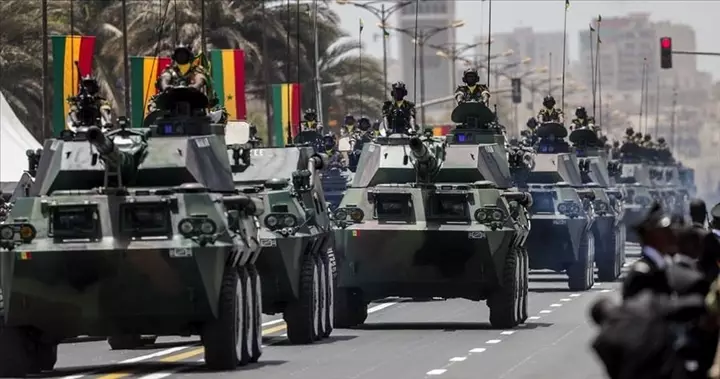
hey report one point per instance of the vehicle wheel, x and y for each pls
(331, 279)
(129, 341)
(609, 269)
(322, 297)
(249, 320)
(45, 356)
(222, 337)
(302, 315)
(503, 303)
(581, 275)
(350, 308)
(16, 351)
(256, 313)
(525, 273)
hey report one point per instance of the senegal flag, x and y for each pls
(144, 73)
(286, 111)
(228, 78)
(66, 51)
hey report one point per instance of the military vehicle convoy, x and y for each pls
(636, 185)
(133, 232)
(562, 237)
(297, 264)
(432, 217)
(598, 175)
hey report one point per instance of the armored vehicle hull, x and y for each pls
(297, 264)
(335, 183)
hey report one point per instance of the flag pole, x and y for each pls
(597, 71)
(562, 95)
(361, 65)
(592, 72)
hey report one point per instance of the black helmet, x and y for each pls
(398, 89)
(549, 101)
(531, 123)
(580, 112)
(647, 137)
(182, 55)
(329, 140)
(629, 132)
(638, 134)
(349, 119)
(661, 140)
(310, 115)
(90, 84)
(470, 76)
(616, 143)
(364, 124)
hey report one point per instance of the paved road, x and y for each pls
(436, 339)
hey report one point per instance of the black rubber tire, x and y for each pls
(257, 346)
(248, 319)
(581, 274)
(222, 337)
(350, 308)
(525, 280)
(609, 270)
(322, 296)
(301, 315)
(503, 303)
(45, 356)
(331, 290)
(16, 351)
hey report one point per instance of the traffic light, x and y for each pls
(665, 52)
(516, 91)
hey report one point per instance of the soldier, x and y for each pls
(472, 91)
(710, 256)
(330, 147)
(529, 136)
(658, 242)
(310, 121)
(549, 113)
(88, 108)
(615, 150)
(581, 119)
(647, 142)
(629, 133)
(637, 138)
(183, 72)
(365, 127)
(254, 140)
(348, 126)
(399, 114)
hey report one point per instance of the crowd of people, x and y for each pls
(666, 323)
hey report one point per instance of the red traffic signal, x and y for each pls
(665, 52)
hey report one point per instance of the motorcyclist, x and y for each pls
(472, 91)
(88, 108)
(549, 113)
(348, 126)
(183, 71)
(398, 113)
(310, 121)
(582, 120)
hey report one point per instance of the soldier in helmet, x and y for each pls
(472, 91)
(549, 113)
(398, 113)
(629, 133)
(638, 138)
(88, 108)
(348, 126)
(582, 120)
(310, 121)
(183, 72)
(330, 149)
(615, 150)
(647, 142)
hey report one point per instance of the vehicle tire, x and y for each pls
(322, 303)
(17, 353)
(609, 269)
(257, 346)
(525, 273)
(331, 279)
(248, 319)
(581, 274)
(45, 356)
(350, 308)
(302, 315)
(503, 303)
(222, 337)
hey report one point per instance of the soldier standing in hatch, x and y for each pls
(549, 113)
(182, 72)
(582, 120)
(88, 108)
(647, 142)
(398, 113)
(348, 126)
(310, 122)
(472, 91)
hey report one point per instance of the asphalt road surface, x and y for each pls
(444, 339)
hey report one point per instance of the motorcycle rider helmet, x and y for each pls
(91, 85)
(182, 55)
(364, 124)
(581, 113)
(310, 115)
(470, 77)
(349, 120)
(549, 102)
(398, 90)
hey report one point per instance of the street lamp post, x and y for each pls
(454, 51)
(421, 38)
(383, 14)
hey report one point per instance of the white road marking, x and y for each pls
(556, 305)
(477, 350)
(492, 342)
(605, 291)
(458, 359)
(545, 311)
(508, 332)
(158, 375)
(155, 355)
(436, 372)
(273, 322)
(566, 299)
(534, 318)
(574, 294)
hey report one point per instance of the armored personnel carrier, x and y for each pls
(598, 174)
(562, 236)
(128, 233)
(297, 264)
(635, 184)
(424, 218)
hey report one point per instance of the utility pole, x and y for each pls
(126, 69)
(45, 92)
(672, 120)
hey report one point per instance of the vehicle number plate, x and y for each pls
(476, 235)
(182, 252)
(559, 222)
(268, 242)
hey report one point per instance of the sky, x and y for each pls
(546, 15)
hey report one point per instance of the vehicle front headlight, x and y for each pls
(208, 227)
(271, 221)
(7, 232)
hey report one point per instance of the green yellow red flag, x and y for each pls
(144, 73)
(66, 50)
(228, 78)
(286, 111)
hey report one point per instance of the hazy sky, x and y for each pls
(545, 15)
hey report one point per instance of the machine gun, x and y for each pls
(427, 163)
(121, 166)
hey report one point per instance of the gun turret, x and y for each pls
(120, 166)
(109, 153)
(426, 163)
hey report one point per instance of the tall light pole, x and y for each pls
(383, 14)
(421, 37)
(453, 51)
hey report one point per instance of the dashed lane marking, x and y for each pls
(492, 342)
(436, 372)
(534, 318)
(574, 294)
(477, 350)
(556, 305)
(509, 332)
(458, 359)
(566, 299)
(545, 311)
